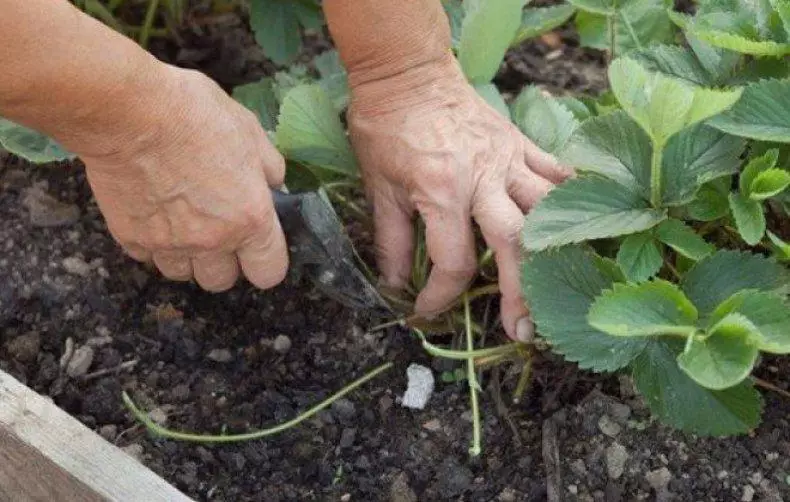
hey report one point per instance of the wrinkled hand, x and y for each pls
(438, 149)
(191, 193)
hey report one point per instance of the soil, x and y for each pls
(80, 322)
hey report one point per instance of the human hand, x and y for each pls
(191, 192)
(428, 143)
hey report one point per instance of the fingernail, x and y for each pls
(525, 330)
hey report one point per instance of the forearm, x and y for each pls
(74, 79)
(403, 42)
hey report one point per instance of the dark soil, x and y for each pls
(80, 322)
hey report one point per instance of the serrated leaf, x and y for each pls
(745, 43)
(724, 357)
(487, 30)
(749, 218)
(639, 257)
(559, 286)
(491, 95)
(309, 131)
(652, 308)
(260, 98)
(683, 239)
(756, 166)
(309, 13)
(681, 403)
(768, 184)
(663, 105)
(648, 20)
(538, 20)
(334, 78)
(719, 276)
(711, 201)
(768, 312)
(695, 156)
(762, 113)
(675, 61)
(586, 208)
(275, 25)
(542, 119)
(576, 106)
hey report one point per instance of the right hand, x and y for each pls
(191, 192)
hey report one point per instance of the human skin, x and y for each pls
(181, 172)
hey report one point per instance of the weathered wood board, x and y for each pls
(47, 455)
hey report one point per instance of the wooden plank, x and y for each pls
(49, 455)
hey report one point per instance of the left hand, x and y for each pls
(428, 143)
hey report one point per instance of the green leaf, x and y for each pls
(639, 257)
(724, 357)
(780, 247)
(637, 24)
(334, 78)
(539, 20)
(712, 201)
(575, 106)
(487, 30)
(681, 403)
(543, 119)
(695, 156)
(768, 312)
(602, 7)
(769, 183)
(455, 15)
(260, 98)
(652, 308)
(309, 131)
(614, 146)
(704, 66)
(719, 276)
(586, 208)
(683, 239)
(663, 105)
(275, 24)
(763, 113)
(491, 95)
(749, 218)
(746, 42)
(559, 286)
(30, 144)
(756, 166)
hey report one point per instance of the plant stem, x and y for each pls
(631, 31)
(769, 386)
(160, 431)
(655, 175)
(465, 355)
(148, 22)
(475, 449)
(523, 380)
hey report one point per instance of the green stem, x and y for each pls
(631, 30)
(160, 431)
(475, 449)
(148, 22)
(523, 380)
(655, 175)
(464, 355)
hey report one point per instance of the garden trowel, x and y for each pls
(320, 249)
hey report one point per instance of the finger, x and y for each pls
(526, 187)
(544, 163)
(500, 221)
(216, 272)
(263, 258)
(273, 164)
(174, 266)
(137, 252)
(394, 241)
(451, 247)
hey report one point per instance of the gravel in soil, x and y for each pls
(80, 322)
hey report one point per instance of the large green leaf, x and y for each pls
(769, 183)
(652, 308)
(719, 276)
(768, 312)
(614, 146)
(711, 201)
(724, 357)
(680, 402)
(585, 208)
(749, 218)
(683, 239)
(639, 257)
(664, 105)
(334, 78)
(763, 112)
(695, 156)
(309, 131)
(487, 30)
(543, 119)
(260, 98)
(730, 30)
(705, 66)
(275, 24)
(491, 95)
(29, 144)
(559, 286)
(637, 24)
(538, 20)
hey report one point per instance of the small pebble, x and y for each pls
(609, 426)
(573, 489)
(616, 457)
(400, 491)
(748, 493)
(507, 495)
(220, 355)
(419, 387)
(24, 348)
(282, 344)
(433, 425)
(75, 265)
(80, 362)
(345, 498)
(109, 432)
(347, 437)
(158, 415)
(659, 478)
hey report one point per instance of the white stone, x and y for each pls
(420, 384)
